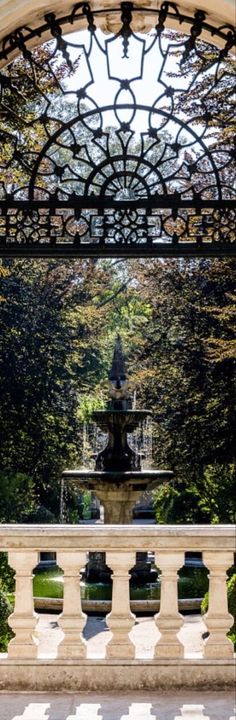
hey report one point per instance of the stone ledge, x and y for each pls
(104, 606)
(107, 538)
(105, 675)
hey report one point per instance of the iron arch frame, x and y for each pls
(117, 144)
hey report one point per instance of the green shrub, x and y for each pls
(5, 610)
(231, 592)
(17, 498)
(7, 574)
(41, 515)
(193, 582)
(232, 605)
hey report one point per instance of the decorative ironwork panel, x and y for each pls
(117, 143)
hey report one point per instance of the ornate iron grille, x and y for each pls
(117, 143)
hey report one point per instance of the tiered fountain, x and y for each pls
(118, 479)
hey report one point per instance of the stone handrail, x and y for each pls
(112, 537)
(120, 543)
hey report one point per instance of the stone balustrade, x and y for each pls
(120, 543)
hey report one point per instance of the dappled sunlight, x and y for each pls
(34, 711)
(87, 710)
(144, 635)
(145, 706)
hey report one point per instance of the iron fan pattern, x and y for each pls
(117, 144)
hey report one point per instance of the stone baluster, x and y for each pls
(72, 619)
(169, 620)
(120, 620)
(23, 620)
(218, 620)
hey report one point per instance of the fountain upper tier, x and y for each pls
(118, 420)
(128, 420)
(118, 456)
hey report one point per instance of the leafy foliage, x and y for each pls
(7, 574)
(231, 593)
(48, 324)
(17, 498)
(190, 391)
(58, 322)
(5, 631)
(33, 85)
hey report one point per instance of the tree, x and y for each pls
(48, 322)
(27, 86)
(192, 398)
(58, 322)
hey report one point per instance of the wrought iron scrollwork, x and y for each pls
(118, 143)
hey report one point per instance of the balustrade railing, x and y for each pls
(120, 543)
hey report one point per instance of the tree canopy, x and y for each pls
(58, 322)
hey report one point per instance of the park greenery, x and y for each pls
(58, 323)
(231, 593)
(59, 320)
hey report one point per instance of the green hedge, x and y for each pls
(5, 610)
(231, 592)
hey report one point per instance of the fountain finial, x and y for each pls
(118, 370)
(118, 388)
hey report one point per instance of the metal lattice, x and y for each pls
(117, 144)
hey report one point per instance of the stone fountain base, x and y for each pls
(118, 492)
(96, 570)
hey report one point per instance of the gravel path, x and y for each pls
(144, 634)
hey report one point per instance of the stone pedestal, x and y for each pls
(143, 573)
(96, 570)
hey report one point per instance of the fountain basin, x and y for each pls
(136, 479)
(118, 491)
(192, 586)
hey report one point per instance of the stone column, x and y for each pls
(119, 513)
(23, 620)
(218, 620)
(169, 620)
(120, 620)
(72, 619)
(118, 503)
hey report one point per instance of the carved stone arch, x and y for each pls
(16, 13)
(140, 164)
